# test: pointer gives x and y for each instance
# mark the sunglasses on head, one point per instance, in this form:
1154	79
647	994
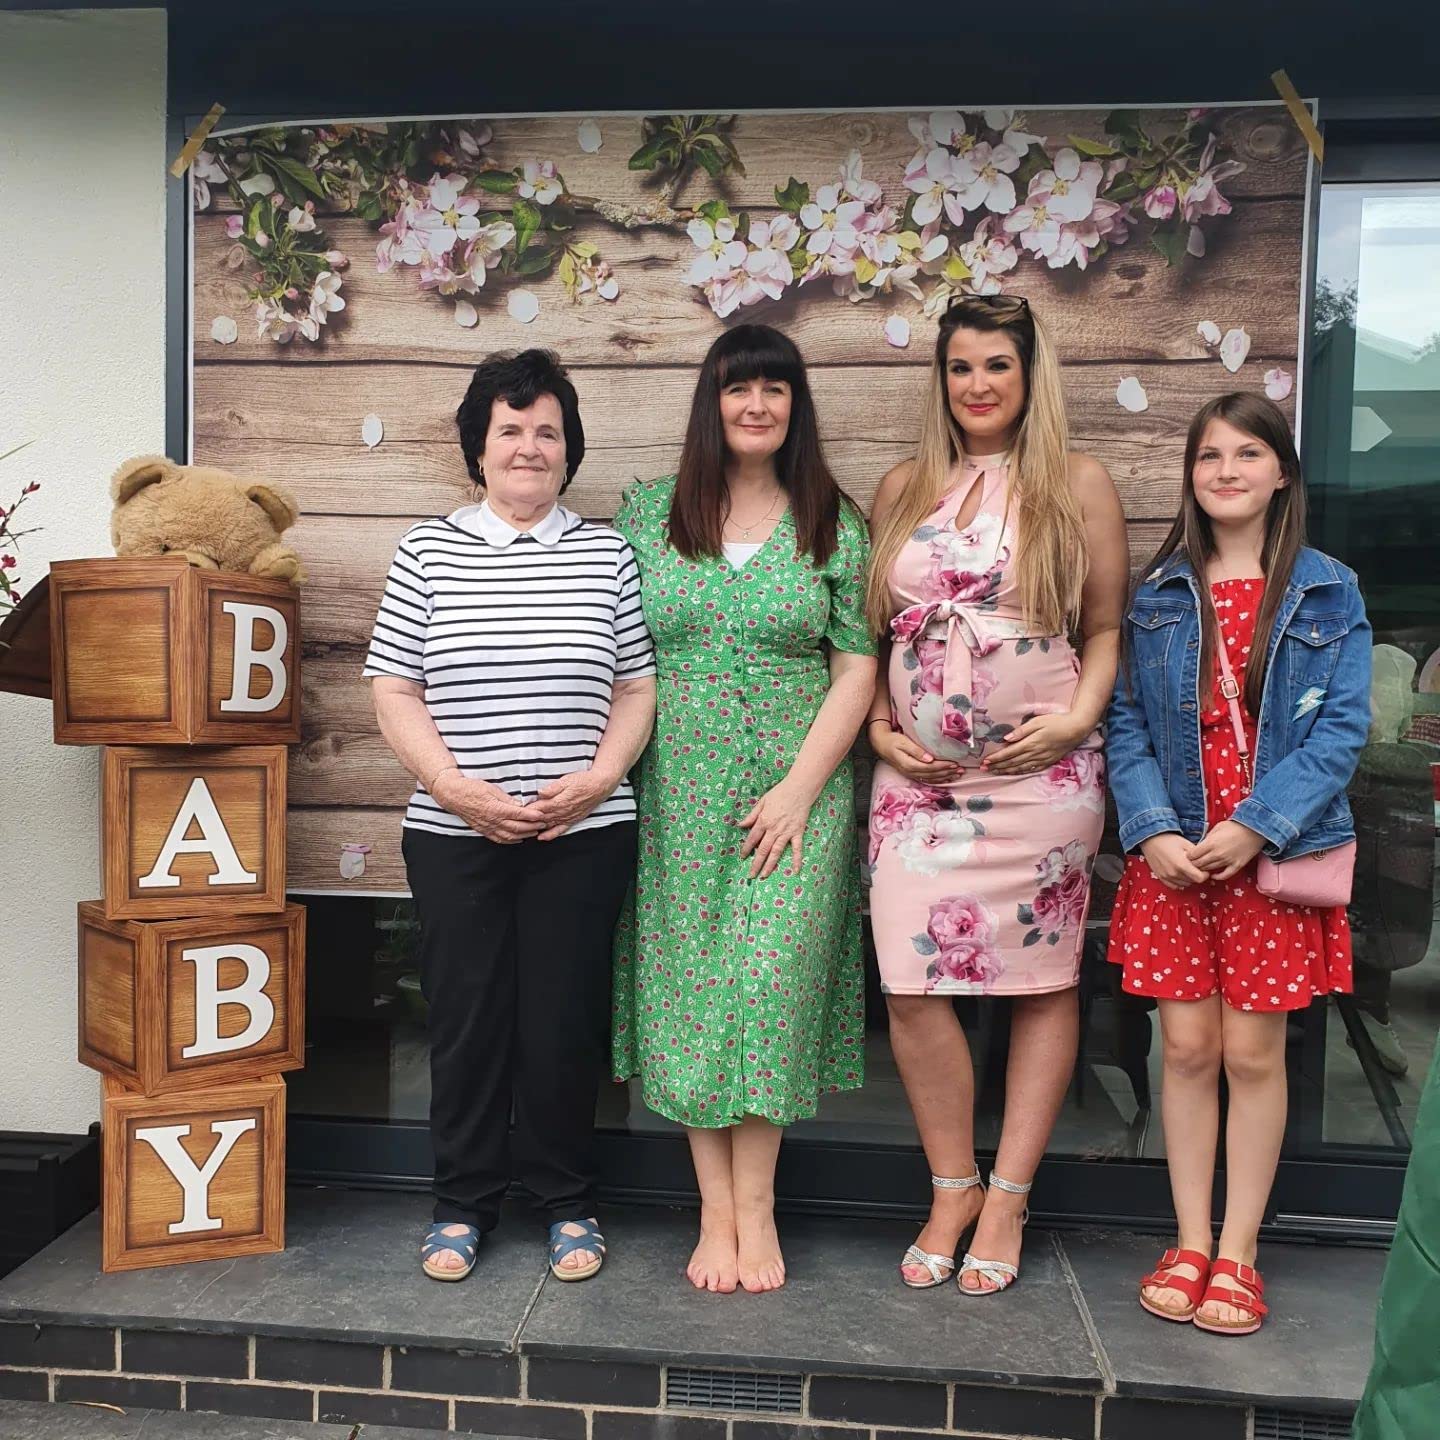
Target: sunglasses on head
1001	304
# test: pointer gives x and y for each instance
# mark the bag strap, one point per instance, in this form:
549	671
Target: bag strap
1231	691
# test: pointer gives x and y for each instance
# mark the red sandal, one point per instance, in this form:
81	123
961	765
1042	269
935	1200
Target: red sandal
1190	1289
1252	1303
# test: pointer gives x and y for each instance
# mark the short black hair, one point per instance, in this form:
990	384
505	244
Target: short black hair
519	379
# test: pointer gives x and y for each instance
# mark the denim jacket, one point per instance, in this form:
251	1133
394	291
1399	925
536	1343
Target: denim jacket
1313	718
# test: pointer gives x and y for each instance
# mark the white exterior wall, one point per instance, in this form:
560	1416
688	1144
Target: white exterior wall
82	335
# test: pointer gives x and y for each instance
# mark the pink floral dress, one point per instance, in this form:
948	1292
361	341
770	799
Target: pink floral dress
980	886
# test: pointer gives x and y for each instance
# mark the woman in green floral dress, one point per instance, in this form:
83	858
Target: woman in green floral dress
739	991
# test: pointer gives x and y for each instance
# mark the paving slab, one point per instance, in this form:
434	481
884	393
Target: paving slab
1312	1353
350	1270
842	1310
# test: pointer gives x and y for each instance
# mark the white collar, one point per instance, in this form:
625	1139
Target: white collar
481	520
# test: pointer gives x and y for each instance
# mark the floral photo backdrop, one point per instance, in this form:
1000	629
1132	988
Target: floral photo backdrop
984	197
348	276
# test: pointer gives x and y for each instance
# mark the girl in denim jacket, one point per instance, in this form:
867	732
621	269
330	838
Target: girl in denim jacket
1191	930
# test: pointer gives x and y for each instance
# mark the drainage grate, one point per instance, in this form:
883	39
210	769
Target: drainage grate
693	1389
1299	1425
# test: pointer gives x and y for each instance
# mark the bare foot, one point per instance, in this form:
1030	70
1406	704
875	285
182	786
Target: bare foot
1166	1297
713	1265
449	1259
952	1213
997	1236
762	1267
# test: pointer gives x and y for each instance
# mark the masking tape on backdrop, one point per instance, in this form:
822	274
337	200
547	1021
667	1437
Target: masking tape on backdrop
198	137
1300	114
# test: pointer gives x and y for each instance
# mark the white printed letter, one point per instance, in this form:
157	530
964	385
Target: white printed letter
247	657
165	1140
214	840
209	997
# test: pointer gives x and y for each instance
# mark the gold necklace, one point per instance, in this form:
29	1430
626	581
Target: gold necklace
755	525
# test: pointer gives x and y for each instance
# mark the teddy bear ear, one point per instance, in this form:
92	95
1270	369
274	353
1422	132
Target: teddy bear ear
276	503
134	475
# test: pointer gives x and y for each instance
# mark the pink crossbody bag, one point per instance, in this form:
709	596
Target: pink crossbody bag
1321	878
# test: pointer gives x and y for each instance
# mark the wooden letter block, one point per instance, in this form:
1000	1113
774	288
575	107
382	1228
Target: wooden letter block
156	652
170	1005
198	832
199	1176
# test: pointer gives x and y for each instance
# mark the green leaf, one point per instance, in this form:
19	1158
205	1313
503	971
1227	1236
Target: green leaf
1025	914
1031	938
865	269
1171	244
526	219
534	262
1124	188
956	270
585	250
497	182
302	175
715	210
648	156
1096	148
254	218
794	197
711	161
1125	125
566	271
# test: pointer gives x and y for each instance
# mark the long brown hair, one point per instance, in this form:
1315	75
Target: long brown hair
1050	559
1193	534
699	507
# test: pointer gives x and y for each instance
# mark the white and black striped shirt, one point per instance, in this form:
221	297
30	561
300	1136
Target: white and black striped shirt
518	637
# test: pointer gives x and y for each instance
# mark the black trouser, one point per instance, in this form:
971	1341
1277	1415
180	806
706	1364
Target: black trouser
515	964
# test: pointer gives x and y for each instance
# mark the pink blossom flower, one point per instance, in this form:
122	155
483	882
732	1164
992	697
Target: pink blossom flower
1068	191
892	808
988	254
930	176
205	172
1279	383
955	724
931	655
867	192
401	244
961	920
337	259
1202	195
325	297
990	184
1012	130
1061	905
1160	202
540	182
967	964
1075	782
720	251
935	841
275	322
486	248
448	216
909	622
1052	868
831	221
234	226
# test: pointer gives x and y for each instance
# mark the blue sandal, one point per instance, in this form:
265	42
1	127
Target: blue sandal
437	1240
562	1245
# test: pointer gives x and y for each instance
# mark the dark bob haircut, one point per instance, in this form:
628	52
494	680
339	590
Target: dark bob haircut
519	380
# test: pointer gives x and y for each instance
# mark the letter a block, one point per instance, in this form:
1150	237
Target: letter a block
175	1004
194	832
199	1176
156	652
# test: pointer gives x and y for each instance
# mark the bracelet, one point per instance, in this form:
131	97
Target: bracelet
881	720
435	778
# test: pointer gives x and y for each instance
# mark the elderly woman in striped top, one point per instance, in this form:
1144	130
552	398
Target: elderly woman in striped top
514	678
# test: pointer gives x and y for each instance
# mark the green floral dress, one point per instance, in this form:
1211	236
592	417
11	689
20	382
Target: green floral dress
734	996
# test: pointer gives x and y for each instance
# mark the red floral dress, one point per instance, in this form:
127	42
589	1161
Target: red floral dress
1226	938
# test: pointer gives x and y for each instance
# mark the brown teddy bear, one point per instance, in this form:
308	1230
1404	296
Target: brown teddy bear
212	518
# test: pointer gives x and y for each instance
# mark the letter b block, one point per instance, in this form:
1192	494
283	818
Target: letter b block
156	652
199	1176
174	1004
198	832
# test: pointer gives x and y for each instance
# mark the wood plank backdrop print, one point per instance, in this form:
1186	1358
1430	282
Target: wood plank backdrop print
350	274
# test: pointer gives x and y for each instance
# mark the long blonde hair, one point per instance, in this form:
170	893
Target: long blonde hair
1051	556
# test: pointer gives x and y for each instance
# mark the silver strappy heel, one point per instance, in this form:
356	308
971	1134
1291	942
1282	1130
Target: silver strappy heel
1000	1275
941	1267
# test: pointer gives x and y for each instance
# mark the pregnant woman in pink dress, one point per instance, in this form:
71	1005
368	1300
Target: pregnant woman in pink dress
991	547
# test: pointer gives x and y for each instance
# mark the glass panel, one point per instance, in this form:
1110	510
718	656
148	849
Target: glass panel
1373	464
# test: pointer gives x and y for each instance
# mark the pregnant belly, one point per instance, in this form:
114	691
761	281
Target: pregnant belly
1021	679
